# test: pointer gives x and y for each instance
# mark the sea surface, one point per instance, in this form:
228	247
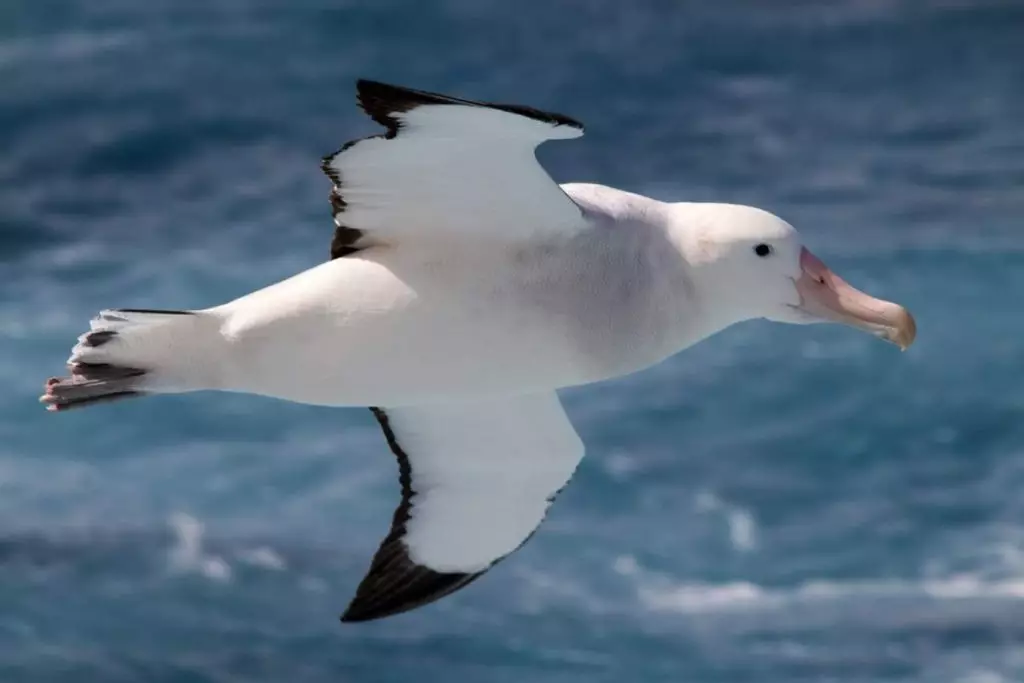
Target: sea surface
778	504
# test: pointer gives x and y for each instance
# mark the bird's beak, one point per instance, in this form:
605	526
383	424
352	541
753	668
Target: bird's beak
827	297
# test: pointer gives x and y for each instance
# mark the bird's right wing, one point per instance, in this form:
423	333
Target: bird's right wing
446	168
477	479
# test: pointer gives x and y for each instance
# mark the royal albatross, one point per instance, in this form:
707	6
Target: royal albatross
464	288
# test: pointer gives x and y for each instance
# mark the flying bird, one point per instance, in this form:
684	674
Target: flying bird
465	287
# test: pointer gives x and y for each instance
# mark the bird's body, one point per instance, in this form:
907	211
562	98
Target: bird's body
451	319
464	289
454	319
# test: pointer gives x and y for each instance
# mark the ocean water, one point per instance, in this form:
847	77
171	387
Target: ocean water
777	504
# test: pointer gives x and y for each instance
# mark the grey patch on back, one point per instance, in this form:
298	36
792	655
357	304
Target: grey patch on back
619	289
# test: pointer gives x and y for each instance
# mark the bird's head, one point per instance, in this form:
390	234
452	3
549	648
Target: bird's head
749	263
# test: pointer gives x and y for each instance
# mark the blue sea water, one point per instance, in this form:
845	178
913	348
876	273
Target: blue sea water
777	504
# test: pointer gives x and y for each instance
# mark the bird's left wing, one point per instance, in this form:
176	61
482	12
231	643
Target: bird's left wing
446	169
477	479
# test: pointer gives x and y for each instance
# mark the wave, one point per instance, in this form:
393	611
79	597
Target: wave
180	548
187	554
744	596
967	604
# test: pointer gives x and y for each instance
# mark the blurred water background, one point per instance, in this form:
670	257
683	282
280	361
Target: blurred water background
777	504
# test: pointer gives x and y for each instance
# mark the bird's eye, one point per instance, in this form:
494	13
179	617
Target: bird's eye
763	250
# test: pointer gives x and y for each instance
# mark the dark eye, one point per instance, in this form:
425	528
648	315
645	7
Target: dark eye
763	250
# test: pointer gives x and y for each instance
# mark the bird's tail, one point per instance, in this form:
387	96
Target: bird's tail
128	353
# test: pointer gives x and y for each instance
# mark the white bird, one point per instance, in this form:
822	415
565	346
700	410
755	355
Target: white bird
464	288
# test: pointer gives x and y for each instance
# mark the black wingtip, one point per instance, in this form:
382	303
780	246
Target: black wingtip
395	583
382	100
418	586
154	311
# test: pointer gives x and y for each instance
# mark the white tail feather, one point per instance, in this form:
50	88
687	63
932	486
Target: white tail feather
172	348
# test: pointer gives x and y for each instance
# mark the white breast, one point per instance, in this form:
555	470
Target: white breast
364	331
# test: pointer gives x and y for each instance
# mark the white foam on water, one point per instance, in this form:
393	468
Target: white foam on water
187	556
620	465
658	594
698	597
263	557
740	522
626	565
981	676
